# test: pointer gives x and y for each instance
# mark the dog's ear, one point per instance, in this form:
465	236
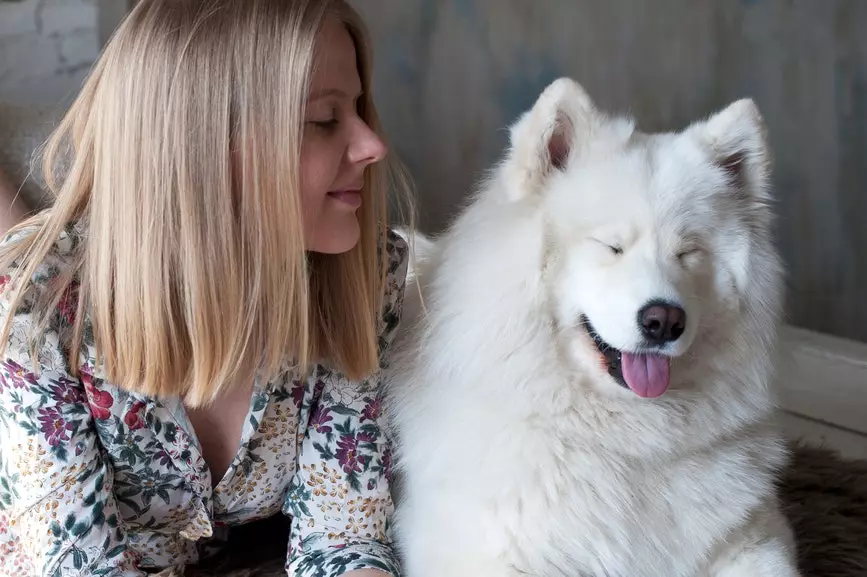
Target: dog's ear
735	139
546	138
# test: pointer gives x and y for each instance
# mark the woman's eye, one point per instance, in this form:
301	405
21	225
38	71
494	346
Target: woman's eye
325	119
329	125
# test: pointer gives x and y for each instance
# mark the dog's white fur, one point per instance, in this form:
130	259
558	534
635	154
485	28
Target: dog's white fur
518	453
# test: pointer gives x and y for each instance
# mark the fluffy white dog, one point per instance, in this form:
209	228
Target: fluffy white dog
587	391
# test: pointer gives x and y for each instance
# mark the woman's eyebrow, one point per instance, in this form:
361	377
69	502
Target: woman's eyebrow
319	94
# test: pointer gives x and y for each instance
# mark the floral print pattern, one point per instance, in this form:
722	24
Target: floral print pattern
99	481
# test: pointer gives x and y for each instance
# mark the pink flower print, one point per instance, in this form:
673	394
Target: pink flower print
347	454
100	401
66	391
53	425
320	419
68	304
134	418
297	393
20	377
372	410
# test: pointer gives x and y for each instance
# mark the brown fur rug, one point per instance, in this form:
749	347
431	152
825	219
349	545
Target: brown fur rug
825	497
826	500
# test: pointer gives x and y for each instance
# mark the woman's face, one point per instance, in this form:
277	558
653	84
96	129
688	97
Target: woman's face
338	146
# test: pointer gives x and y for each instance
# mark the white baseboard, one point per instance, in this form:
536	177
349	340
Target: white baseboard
822	384
817	434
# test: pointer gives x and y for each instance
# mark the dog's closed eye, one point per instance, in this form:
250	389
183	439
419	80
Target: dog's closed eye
613	247
688	254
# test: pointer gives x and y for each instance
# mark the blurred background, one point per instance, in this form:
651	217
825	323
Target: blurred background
452	74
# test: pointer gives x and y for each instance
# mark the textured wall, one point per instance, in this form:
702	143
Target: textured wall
451	74
46	48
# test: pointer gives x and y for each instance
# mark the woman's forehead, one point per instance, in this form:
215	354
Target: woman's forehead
335	65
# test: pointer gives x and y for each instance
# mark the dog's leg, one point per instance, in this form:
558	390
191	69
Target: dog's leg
767	560
766	548
461	565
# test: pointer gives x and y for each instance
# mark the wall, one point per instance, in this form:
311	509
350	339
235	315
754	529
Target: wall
451	74
46	48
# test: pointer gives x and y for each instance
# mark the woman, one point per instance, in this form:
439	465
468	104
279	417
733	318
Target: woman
193	332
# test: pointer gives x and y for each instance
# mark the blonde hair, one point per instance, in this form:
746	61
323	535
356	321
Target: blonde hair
179	161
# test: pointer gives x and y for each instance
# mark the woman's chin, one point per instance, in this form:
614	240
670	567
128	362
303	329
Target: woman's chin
338	236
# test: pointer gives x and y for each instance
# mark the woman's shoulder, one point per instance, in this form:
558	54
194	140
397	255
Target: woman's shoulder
397	249
51	284
58	259
395	285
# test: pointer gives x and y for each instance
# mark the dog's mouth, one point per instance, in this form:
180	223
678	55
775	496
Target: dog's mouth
647	374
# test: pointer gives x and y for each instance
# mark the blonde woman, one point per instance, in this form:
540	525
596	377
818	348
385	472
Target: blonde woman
193	332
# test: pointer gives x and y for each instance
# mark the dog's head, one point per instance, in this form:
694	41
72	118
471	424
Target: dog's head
658	245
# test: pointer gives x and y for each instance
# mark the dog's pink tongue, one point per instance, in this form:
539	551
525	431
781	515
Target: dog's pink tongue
647	375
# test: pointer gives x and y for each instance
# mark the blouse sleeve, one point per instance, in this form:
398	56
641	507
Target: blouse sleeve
340	500
58	516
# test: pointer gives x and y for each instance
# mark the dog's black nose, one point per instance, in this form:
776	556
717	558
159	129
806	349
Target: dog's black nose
661	322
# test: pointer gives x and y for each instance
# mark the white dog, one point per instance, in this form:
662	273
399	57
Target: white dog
587	393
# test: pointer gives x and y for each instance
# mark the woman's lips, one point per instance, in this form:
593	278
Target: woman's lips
350	197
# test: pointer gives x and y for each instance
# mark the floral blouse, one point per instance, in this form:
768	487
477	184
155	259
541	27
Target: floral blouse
95	480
